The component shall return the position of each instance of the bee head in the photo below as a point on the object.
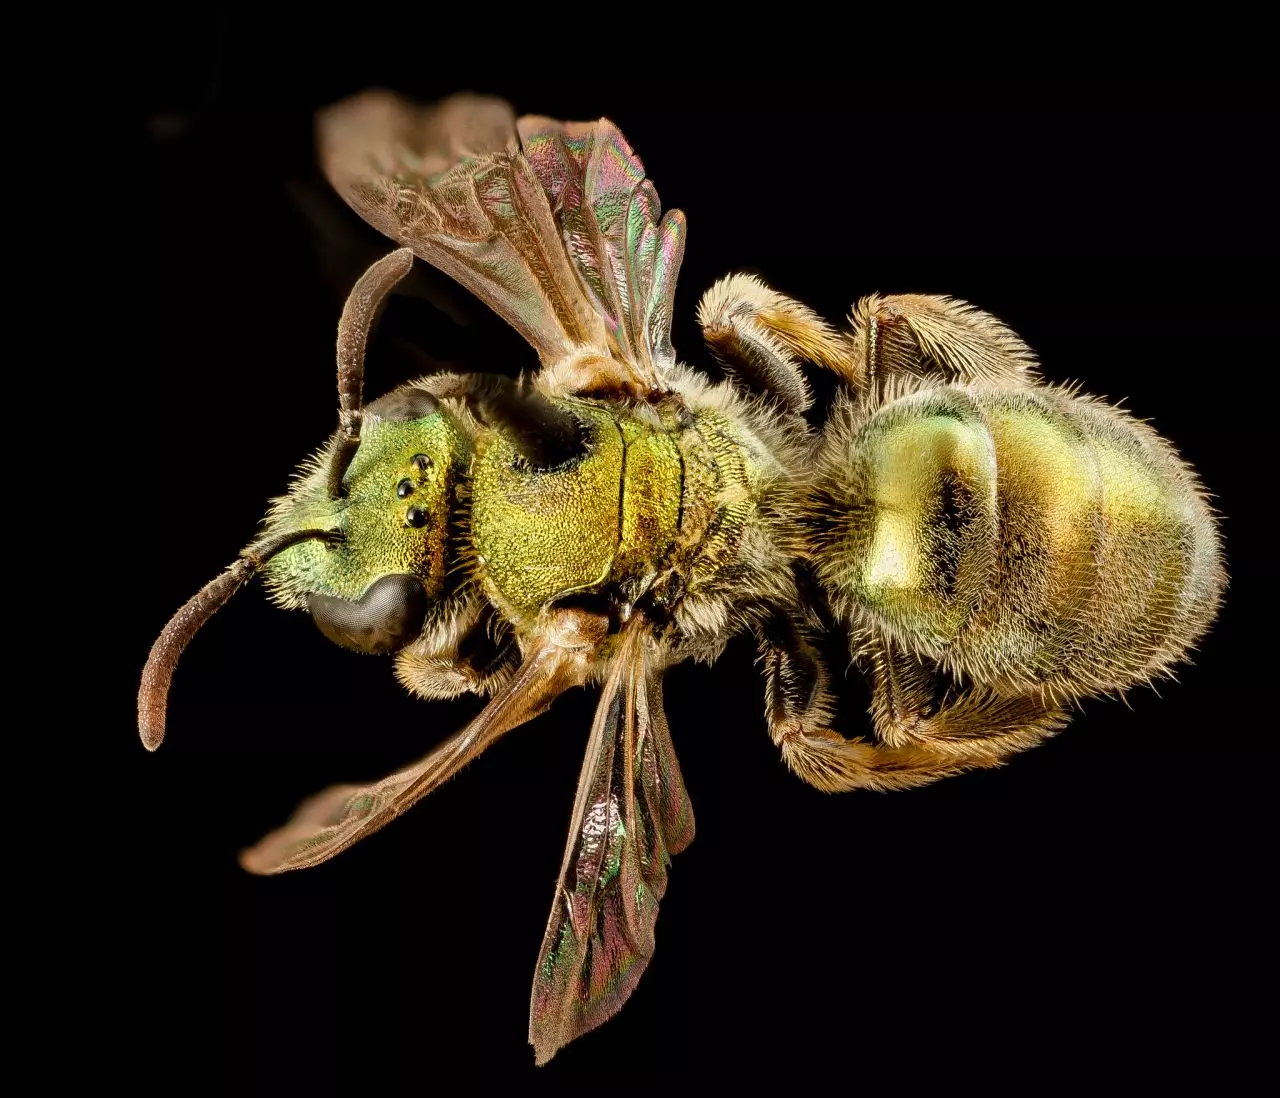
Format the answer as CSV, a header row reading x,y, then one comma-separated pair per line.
x,y
373,584
363,538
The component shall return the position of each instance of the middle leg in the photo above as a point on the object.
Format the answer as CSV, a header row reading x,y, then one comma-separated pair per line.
x,y
761,337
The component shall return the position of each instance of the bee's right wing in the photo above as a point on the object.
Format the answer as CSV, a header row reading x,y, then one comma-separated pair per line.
x,y
630,815
552,224
331,821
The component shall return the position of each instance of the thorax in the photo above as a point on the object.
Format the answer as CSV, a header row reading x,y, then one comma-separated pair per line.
x,y
657,505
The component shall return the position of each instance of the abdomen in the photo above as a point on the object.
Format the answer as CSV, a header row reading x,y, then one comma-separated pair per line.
x,y
1025,538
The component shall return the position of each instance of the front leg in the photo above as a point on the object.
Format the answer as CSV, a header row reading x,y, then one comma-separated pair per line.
x,y
924,730
477,654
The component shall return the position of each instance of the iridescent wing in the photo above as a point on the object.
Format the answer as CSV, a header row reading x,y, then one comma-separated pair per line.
x,y
630,815
552,224
331,821
624,252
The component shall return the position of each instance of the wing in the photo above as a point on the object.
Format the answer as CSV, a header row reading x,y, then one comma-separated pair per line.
x,y
552,224
331,821
630,815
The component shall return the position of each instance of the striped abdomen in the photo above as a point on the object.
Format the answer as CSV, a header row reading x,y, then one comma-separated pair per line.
x,y
1024,537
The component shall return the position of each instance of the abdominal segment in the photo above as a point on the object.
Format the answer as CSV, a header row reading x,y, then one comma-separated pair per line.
x,y
1024,538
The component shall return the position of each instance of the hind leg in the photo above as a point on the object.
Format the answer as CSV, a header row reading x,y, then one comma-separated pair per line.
x,y
908,336
923,731
761,337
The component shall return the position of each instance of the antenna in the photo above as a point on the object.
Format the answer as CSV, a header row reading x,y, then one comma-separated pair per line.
x,y
353,336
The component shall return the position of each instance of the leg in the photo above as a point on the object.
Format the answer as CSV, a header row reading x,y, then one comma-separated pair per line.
x,y
475,654
923,730
795,682
331,821
919,336
761,338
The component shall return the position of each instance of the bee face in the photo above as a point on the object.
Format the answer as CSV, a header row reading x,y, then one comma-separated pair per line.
x,y
372,588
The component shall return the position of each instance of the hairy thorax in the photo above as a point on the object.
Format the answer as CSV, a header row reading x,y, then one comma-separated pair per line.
x,y
659,512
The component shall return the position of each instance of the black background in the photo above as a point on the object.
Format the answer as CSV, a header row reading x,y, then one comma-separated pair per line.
x,y
1094,906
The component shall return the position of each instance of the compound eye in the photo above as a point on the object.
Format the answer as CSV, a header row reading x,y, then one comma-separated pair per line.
x,y
386,617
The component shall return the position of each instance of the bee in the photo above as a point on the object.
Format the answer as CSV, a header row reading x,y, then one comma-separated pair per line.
x,y
994,547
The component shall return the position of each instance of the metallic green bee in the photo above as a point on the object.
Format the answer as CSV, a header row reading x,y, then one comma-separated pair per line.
x,y
995,547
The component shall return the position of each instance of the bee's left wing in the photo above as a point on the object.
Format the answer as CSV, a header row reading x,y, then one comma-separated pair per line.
x,y
331,821
551,224
630,815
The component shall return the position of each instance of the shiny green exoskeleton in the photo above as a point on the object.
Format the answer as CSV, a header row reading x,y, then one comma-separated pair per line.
x,y
660,508
657,506
996,547
1027,538
393,517
993,547
595,522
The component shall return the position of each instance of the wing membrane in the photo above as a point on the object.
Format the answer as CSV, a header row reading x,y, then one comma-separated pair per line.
x,y
625,252
553,225
331,821
630,815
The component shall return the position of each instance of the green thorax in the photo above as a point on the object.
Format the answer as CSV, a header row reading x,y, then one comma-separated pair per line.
x,y
646,491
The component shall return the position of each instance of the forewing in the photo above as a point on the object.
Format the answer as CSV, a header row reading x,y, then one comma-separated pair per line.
x,y
630,815
331,821
626,254
448,181
554,226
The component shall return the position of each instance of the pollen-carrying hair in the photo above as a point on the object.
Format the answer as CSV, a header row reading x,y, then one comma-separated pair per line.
x,y
353,335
